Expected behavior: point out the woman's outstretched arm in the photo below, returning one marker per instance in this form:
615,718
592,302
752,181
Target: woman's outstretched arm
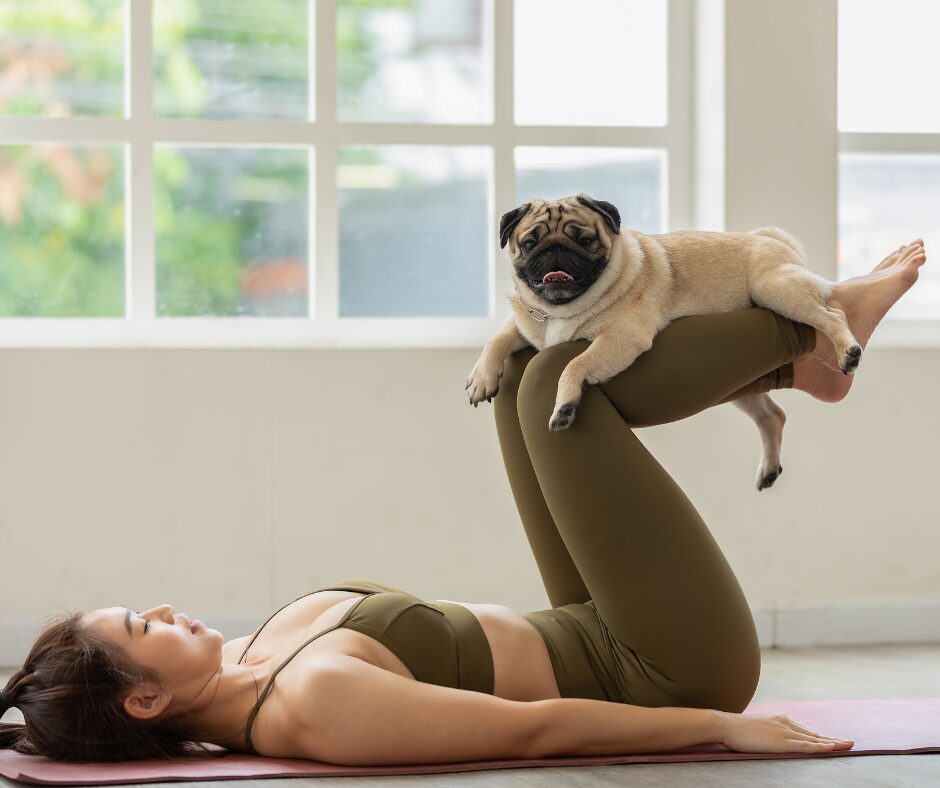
576,726
355,713
350,712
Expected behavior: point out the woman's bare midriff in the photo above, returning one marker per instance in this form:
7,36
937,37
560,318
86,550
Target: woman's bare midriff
522,669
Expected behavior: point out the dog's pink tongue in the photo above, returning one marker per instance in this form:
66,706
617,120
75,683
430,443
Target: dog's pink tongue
555,276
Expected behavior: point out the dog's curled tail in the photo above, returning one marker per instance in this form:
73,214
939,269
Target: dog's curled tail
785,237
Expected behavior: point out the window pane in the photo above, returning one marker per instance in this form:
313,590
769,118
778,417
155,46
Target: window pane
231,231
888,65
61,231
413,230
886,200
230,58
414,61
632,179
594,63
61,58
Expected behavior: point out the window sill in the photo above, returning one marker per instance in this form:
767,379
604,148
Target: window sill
346,333
248,332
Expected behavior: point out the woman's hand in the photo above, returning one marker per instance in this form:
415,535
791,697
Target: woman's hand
775,733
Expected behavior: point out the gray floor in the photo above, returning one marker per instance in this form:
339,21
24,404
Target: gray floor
891,671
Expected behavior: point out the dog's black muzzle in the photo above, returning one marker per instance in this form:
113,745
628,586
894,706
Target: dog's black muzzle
582,270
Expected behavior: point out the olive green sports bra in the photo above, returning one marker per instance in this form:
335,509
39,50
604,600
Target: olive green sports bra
441,643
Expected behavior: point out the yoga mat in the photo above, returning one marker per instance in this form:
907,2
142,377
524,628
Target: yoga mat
878,727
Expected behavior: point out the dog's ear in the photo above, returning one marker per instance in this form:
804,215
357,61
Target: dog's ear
605,209
510,220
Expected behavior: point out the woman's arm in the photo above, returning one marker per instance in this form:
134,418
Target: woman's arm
573,726
348,711
578,726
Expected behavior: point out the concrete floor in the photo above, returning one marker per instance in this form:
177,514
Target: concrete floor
889,671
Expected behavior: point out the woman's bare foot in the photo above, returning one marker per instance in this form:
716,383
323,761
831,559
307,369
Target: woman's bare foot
865,300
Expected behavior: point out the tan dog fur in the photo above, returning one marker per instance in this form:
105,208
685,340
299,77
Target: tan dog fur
646,282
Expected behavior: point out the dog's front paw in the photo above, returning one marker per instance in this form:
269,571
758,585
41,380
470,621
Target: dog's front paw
848,361
766,476
483,383
563,417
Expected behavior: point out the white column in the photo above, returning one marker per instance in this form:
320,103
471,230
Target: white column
708,104
780,136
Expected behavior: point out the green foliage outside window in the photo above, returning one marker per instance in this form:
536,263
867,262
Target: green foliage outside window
63,256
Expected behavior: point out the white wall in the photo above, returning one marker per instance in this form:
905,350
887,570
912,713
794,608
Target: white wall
229,481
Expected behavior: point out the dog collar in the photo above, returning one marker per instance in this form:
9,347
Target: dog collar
537,314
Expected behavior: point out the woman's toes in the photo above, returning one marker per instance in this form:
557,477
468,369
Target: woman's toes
912,260
898,255
891,259
916,252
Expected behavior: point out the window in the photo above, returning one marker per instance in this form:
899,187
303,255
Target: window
313,172
889,123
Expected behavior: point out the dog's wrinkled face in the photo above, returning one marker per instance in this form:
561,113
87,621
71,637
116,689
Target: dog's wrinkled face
558,248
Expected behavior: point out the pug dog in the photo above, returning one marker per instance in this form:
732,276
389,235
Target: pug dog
578,275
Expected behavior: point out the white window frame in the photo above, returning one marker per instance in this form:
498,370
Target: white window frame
892,332
897,333
140,131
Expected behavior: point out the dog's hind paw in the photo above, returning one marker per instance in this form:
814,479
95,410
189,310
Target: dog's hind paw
767,478
563,417
850,359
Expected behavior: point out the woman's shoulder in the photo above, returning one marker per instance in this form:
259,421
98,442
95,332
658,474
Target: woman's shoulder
293,708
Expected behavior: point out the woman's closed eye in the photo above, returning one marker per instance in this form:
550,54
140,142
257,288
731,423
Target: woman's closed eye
146,624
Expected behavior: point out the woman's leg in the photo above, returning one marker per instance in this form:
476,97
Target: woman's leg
605,520
560,576
704,360
668,372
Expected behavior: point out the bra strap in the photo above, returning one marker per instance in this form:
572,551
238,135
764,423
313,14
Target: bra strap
254,637
359,586
267,687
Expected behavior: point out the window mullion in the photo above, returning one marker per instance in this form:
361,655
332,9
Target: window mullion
503,189
888,142
196,132
679,129
140,287
324,265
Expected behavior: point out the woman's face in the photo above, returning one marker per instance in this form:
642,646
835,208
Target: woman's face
182,651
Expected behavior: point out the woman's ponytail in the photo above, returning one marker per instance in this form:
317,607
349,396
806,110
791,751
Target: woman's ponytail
12,734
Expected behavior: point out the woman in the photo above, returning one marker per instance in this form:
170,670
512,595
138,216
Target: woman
650,644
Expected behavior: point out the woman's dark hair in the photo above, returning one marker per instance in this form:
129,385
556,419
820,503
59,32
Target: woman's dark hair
71,689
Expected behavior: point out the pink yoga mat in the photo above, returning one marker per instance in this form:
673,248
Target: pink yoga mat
878,727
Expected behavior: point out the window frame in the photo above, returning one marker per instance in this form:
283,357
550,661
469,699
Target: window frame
893,333
897,333
139,131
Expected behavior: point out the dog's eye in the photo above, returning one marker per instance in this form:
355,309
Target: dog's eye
527,244
584,240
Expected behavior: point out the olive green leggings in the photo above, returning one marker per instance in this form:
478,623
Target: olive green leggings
608,525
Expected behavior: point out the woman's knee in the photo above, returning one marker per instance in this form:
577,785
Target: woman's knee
539,381
727,686
514,367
